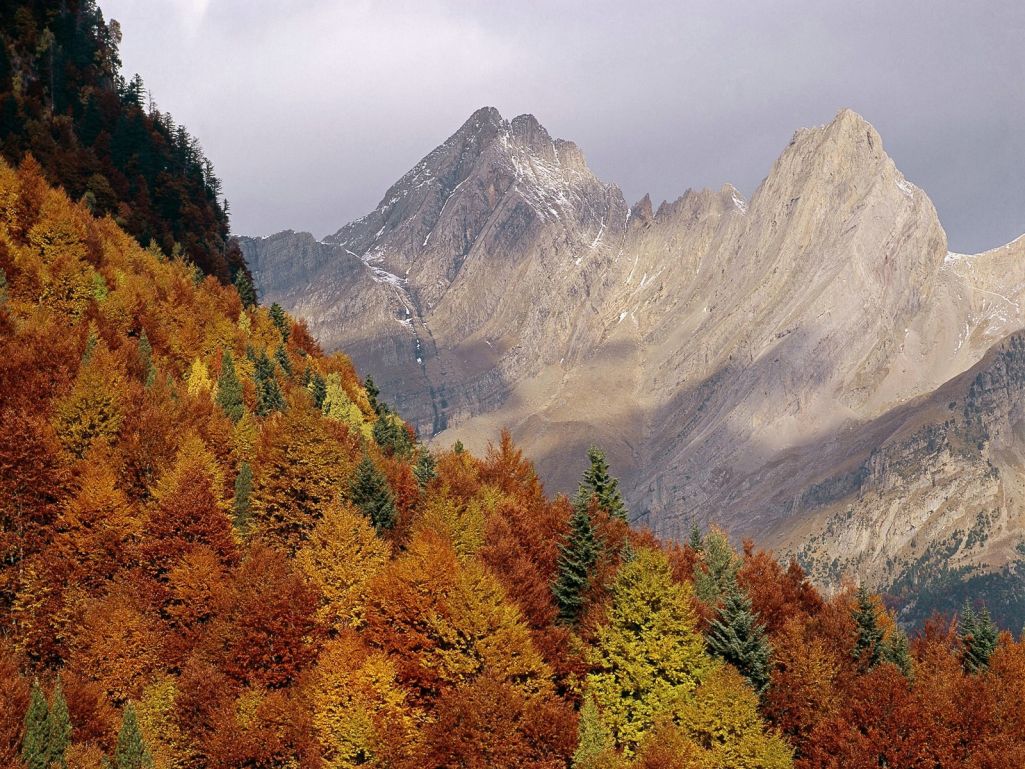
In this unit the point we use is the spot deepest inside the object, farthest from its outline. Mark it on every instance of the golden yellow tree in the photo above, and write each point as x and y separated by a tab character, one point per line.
343	553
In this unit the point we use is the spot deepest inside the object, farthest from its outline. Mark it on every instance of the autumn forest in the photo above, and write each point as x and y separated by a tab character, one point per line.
220	548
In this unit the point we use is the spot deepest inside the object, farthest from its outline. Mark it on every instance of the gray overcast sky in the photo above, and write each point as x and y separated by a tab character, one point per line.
310	109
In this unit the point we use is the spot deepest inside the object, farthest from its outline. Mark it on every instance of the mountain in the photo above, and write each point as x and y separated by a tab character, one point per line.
740	361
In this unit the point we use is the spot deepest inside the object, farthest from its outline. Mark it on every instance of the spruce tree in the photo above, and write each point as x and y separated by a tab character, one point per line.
370	492
737	637
131	751
280	320
318	389
897	652
282	358
577	557
146	353
243	496
58	729
390	434
246	291
979	637
597	482
425	468
372	393
867	647
268	392
35	745
229	389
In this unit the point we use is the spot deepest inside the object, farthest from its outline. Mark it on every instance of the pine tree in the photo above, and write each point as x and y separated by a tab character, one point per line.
867	647
318	389
58	729
425	468
243	496
229	389
390	434
371	494
146	353
372	393
131	751
897	652
280	320
246	291
35	745
597	482
577	557
979	637
282	358
268	392
737	637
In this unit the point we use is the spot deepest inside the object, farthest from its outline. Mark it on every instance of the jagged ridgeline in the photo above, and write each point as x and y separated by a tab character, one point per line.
101	137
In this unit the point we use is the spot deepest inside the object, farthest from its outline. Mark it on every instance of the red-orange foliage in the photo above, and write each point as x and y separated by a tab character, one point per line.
128	566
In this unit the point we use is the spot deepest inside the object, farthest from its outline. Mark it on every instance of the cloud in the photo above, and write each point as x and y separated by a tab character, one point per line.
310	109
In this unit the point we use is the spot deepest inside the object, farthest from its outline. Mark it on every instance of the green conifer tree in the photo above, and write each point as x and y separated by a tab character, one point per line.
390	434
979	636
243	496
146	353
282	358
131	751
268	393
868	646
425	468
597	482
35	744
246	291
577	557
318	389
280	320
58	729
372	393
737	637
370	492
229	389
897	652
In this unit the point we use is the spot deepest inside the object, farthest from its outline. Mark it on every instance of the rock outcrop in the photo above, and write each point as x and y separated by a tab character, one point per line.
739	360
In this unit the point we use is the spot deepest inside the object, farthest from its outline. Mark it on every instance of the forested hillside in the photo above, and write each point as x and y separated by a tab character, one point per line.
220	549
100	136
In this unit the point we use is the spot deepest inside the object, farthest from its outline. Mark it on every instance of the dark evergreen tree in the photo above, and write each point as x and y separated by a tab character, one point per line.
425	468
867	647
372	393
458	447
131	751
737	637
35	744
282	358
229	389
146	353
391	435
268	392
58	729
370	492
897	652
696	541
597	482
280	320
318	389
979	636
243	496
577	557
244	285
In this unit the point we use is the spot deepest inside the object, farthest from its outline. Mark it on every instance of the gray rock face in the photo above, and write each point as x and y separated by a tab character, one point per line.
736	359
